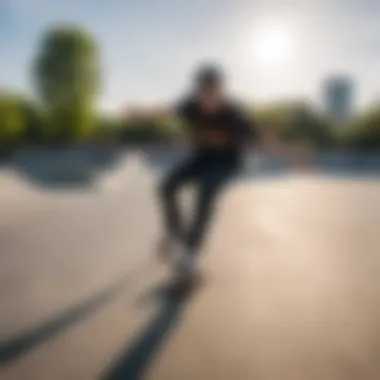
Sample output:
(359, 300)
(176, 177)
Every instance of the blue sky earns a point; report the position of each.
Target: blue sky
(149, 47)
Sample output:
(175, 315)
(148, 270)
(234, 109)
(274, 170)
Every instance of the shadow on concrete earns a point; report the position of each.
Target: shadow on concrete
(16, 347)
(133, 363)
(51, 168)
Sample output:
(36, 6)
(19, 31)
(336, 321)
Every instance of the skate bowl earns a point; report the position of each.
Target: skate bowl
(330, 163)
(62, 168)
(106, 169)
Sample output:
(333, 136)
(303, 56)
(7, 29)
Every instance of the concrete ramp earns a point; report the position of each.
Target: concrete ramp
(129, 169)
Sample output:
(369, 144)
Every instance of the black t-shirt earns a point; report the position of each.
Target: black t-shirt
(228, 118)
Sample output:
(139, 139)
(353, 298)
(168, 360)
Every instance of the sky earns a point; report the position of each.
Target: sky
(272, 50)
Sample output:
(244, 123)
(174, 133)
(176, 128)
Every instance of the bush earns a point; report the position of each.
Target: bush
(295, 123)
(364, 133)
(12, 122)
(149, 131)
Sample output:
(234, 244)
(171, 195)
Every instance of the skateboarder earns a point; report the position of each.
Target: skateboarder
(218, 130)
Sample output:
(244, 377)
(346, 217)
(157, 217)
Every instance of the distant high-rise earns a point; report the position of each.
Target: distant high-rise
(338, 95)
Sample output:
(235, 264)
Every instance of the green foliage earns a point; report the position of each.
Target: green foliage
(364, 132)
(295, 123)
(149, 131)
(67, 80)
(12, 121)
(107, 130)
(33, 122)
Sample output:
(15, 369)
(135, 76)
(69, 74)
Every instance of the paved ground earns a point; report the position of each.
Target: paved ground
(290, 286)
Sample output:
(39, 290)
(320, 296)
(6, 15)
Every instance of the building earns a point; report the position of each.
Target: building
(338, 98)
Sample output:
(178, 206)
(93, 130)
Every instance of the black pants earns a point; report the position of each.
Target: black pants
(210, 173)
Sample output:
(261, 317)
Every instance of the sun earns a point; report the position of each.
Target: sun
(273, 45)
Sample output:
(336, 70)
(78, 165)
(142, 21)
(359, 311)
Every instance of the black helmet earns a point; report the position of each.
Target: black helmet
(208, 76)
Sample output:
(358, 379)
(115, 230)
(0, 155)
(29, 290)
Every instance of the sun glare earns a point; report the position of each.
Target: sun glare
(273, 45)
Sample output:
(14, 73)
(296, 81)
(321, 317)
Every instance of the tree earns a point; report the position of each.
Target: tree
(67, 81)
(149, 131)
(12, 121)
(295, 122)
(33, 121)
(365, 131)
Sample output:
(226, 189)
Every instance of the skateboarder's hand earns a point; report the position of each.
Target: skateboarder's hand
(213, 138)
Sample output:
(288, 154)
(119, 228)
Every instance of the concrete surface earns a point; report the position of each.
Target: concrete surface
(290, 288)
